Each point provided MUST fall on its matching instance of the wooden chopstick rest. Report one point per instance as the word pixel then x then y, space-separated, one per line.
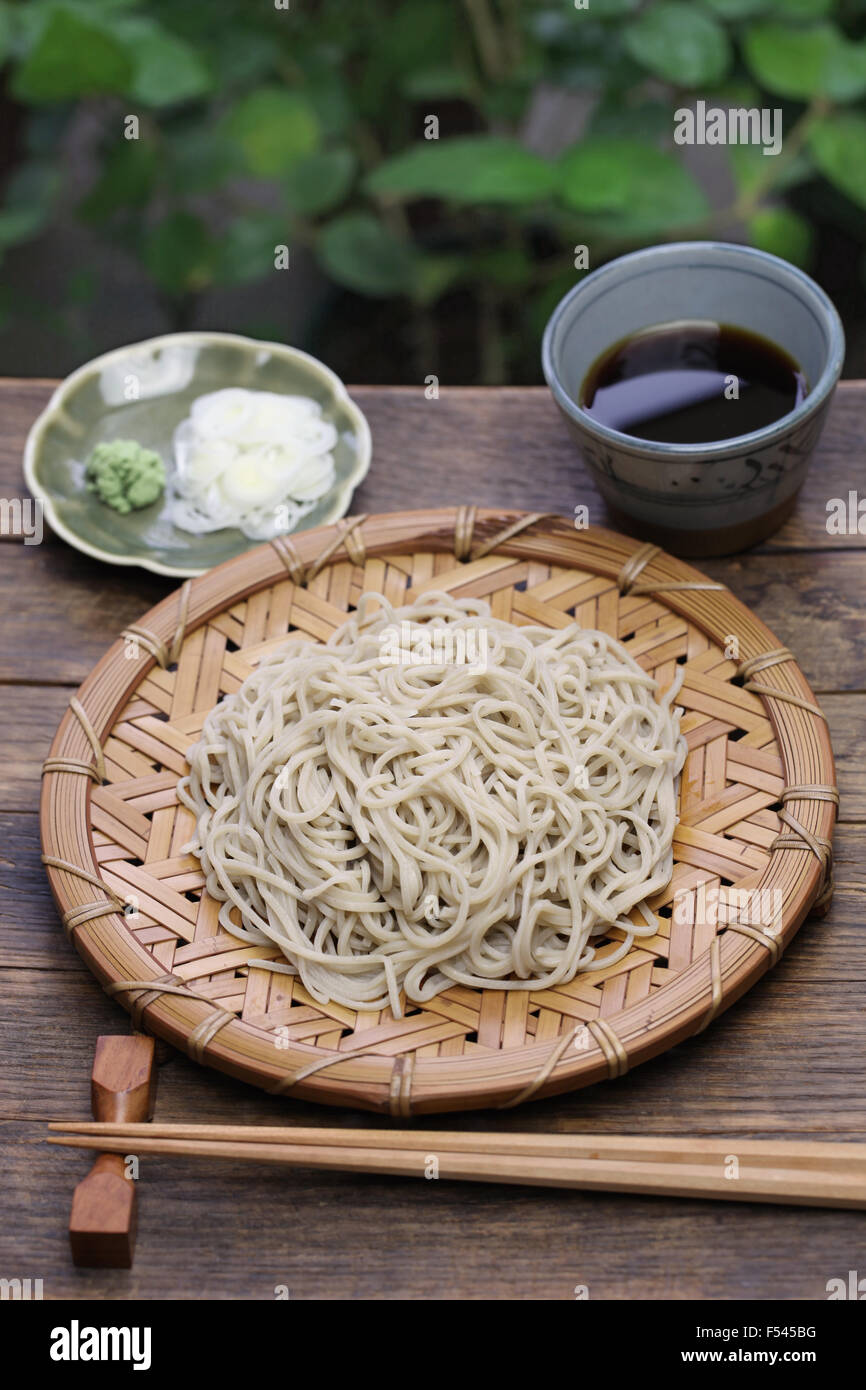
pixel 103 1219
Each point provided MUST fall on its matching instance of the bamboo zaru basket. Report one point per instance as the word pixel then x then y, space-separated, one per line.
pixel 757 806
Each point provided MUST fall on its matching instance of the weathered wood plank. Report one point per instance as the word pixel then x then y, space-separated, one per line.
pixel 20 403
pixel 493 448
pixel 505 447
pixel 762 1070
pixel 782 1061
pixel 333 1236
pixel 67 612
pixel 846 717
pixel 813 603
pixel 62 610
pixel 30 930
pixel 30 716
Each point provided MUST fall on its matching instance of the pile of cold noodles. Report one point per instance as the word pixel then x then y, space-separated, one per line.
pixel 434 797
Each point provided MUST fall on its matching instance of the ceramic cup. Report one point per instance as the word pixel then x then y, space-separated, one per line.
pixel 722 496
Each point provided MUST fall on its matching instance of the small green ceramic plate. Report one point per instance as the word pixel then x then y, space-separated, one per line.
pixel 143 392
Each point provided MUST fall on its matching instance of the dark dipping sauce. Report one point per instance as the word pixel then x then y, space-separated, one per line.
pixel 673 383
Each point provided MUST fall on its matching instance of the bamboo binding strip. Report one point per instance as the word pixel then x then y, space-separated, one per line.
pixel 758 803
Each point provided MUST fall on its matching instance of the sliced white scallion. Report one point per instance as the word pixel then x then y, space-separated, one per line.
pixel 251 459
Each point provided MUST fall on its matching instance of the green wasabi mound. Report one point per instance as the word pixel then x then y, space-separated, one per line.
pixel 124 475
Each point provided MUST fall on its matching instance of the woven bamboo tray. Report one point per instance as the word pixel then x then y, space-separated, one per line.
pixel 757 810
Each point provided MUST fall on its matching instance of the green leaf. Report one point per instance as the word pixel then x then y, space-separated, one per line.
pixel 611 9
pixel 797 10
pixel 30 19
pixel 737 9
pixel 179 254
pixel 417 33
pixel 614 117
pixel 273 128
pixel 167 69
pixel 838 145
pixel 243 63
pixel 320 182
pixel 329 95
pixel 679 43
pixel 737 91
pixel 93 9
pixel 644 188
pixel 471 169
pixel 27 206
pixel 817 61
pixel 447 83
pixel 782 232
pixel 34 183
pixel 507 266
pixel 845 75
pixel 360 252
pixel 126 180
pixel 504 105
pixel 436 275
pixel 196 157
pixel 751 167
pixel 72 58
pixel 599 174
pixel 5 31
pixel 802 9
pixel 19 224
pixel 246 248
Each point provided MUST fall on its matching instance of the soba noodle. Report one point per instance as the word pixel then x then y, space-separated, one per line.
pixel 436 796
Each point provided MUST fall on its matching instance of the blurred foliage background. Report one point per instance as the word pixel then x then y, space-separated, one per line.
pixel 262 123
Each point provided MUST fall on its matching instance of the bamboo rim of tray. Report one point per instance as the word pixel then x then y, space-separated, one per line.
pixel 767 825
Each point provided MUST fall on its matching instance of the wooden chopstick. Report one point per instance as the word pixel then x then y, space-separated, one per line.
pixel 773 1170
pixel 786 1153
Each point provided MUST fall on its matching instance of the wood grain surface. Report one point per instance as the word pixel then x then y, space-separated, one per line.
pixel 768 1068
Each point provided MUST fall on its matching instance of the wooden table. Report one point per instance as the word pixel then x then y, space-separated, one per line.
pixel 770 1067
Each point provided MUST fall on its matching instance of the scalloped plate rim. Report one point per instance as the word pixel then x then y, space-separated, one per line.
pixel 342 497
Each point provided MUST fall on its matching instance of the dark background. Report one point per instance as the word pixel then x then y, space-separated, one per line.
pixel 260 127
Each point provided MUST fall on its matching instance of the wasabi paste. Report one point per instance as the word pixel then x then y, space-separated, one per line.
pixel 124 475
